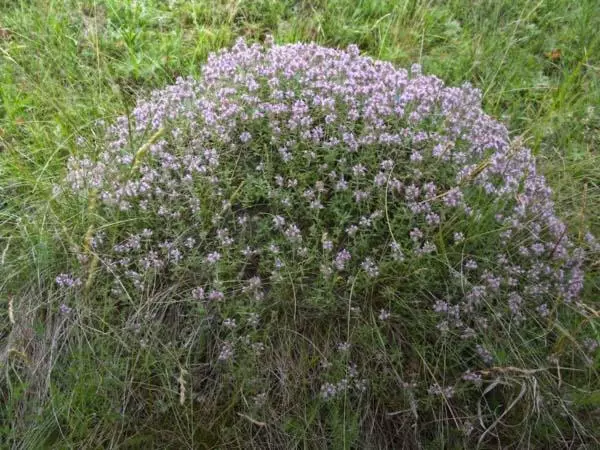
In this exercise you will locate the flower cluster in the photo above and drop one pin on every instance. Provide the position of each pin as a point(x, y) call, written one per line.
point(299, 162)
point(350, 383)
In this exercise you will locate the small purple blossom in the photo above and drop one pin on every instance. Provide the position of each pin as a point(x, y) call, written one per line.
point(226, 352)
point(471, 264)
point(359, 170)
point(485, 354)
point(278, 222)
point(416, 235)
point(341, 185)
point(223, 237)
point(473, 377)
point(440, 306)
point(341, 259)
point(64, 309)
point(293, 234)
point(328, 391)
point(427, 248)
point(397, 254)
point(245, 137)
point(67, 280)
point(380, 179)
point(215, 295)
point(352, 230)
point(370, 268)
point(198, 293)
point(543, 310)
point(361, 196)
point(213, 257)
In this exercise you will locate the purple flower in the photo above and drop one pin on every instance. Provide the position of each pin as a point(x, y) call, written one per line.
point(341, 185)
point(440, 306)
point(416, 235)
point(293, 234)
point(397, 253)
point(471, 264)
point(341, 259)
point(67, 280)
point(359, 170)
point(543, 310)
point(473, 377)
point(198, 293)
point(370, 268)
point(484, 354)
point(360, 196)
point(328, 391)
point(278, 222)
point(352, 230)
point(64, 309)
point(226, 352)
point(213, 257)
point(215, 295)
point(427, 248)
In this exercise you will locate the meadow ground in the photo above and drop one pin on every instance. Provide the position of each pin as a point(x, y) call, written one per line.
point(66, 64)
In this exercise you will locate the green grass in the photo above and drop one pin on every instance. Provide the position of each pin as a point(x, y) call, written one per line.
point(66, 64)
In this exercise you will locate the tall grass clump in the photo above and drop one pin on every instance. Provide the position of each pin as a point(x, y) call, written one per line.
point(308, 247)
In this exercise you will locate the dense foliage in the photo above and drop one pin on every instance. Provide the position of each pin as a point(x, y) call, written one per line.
point(378, 215)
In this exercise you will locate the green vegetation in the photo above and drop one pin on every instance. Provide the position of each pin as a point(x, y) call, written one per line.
point(96, 379)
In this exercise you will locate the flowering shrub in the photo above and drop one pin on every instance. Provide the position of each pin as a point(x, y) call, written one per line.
point(299, 184)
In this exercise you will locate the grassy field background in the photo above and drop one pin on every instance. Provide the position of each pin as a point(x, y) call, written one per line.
point(66, 64)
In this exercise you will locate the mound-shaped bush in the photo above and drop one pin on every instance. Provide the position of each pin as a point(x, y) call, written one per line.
point(329, 233)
